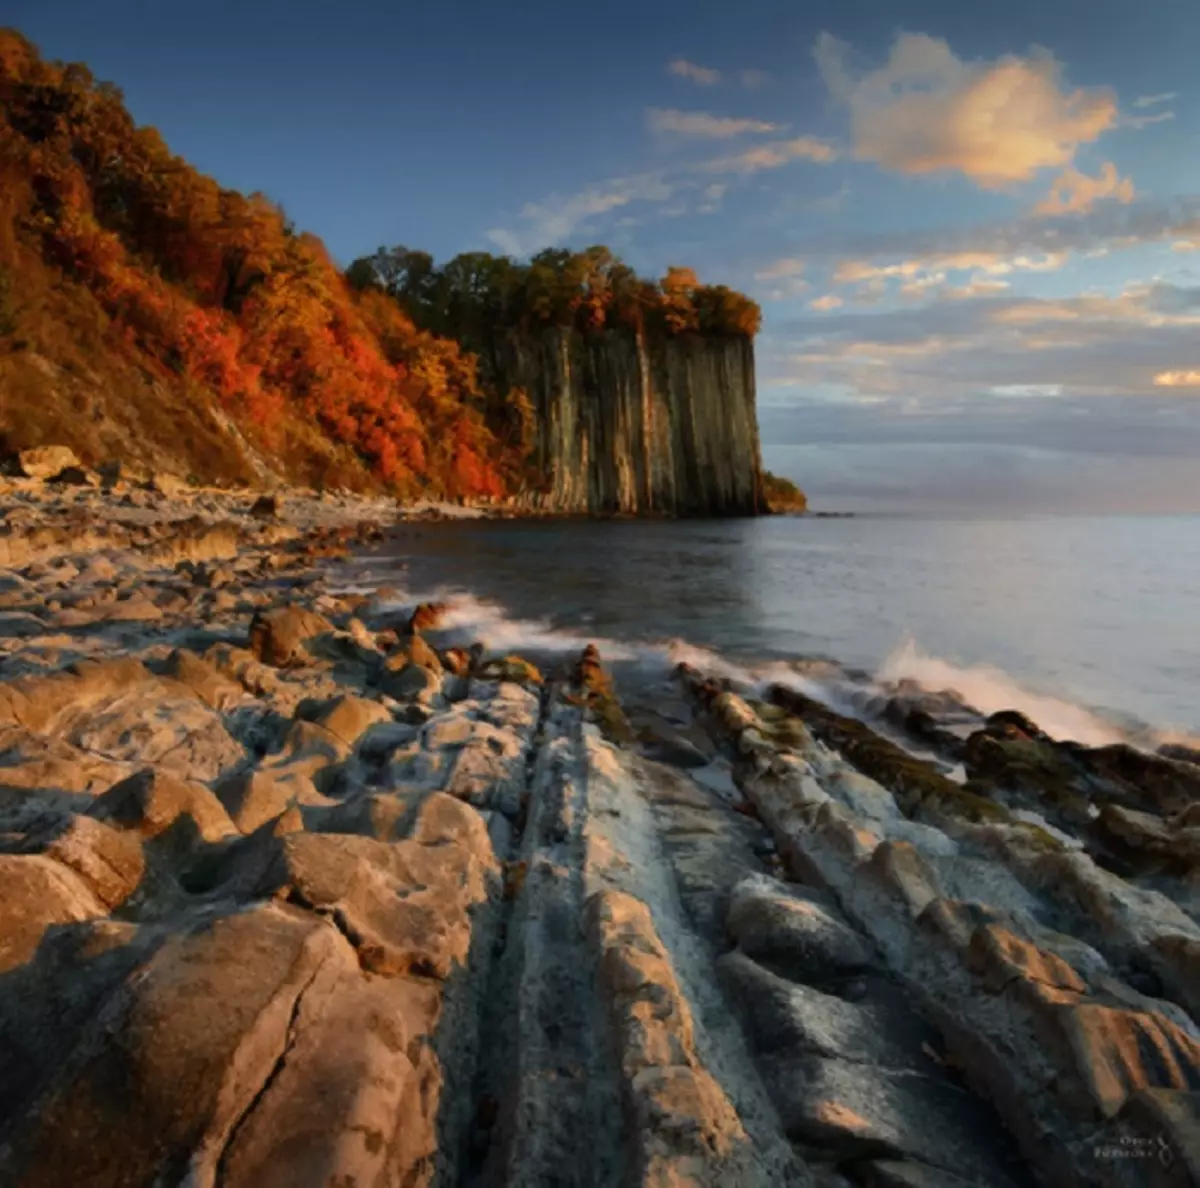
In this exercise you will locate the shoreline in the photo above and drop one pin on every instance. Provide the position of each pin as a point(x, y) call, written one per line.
point(325, 894)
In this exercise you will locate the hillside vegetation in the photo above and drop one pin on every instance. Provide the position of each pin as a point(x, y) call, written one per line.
point(149, 314)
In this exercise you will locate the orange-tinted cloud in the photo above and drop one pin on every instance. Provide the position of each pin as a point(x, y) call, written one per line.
point(928, 111)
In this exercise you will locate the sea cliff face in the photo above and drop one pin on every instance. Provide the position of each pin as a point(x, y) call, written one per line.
point(638, 424)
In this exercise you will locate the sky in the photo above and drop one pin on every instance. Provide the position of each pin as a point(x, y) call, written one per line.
point(974, 229)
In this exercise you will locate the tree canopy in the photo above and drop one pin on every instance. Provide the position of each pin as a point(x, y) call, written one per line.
point(590, 290)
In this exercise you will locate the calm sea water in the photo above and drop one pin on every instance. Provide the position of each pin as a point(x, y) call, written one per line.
point(1060, 616)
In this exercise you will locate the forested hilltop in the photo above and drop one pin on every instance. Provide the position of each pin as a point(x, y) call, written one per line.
point(148, 313)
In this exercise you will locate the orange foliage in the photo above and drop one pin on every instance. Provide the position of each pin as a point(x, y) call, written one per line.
point(207, 284)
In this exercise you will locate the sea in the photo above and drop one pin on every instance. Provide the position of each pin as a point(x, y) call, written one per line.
point(1089, 625)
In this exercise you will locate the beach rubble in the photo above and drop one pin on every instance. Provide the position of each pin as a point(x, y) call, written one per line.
point(297, 891)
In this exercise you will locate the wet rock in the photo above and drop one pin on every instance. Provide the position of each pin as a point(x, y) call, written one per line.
point(510, 668)
point(426, 617)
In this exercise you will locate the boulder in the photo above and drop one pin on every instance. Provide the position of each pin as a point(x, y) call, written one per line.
point(426, 617)
point(38, 892)
point(412, 683)
point(412, 649)
point(278, 637)
point(152, 801)
point(351, 717)
point(45, 461)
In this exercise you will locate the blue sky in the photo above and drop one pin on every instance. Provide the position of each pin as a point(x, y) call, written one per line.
point(974, 230)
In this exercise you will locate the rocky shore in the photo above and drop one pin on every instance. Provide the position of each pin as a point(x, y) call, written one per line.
point(298, 891)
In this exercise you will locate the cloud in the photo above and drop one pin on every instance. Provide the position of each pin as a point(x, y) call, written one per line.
point(699, 123)
point(829, 301)
point(554, 219)
point(789, 266)
point(1154, 100)
point(702, 76)
point(1177, 379)
point(1092, 346)
point(1128, 121)
point(1076, 193)
point(753, 79)
point(773, 155)
point(927, 111)
point(991, 263)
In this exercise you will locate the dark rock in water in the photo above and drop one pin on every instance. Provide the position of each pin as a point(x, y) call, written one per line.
point(426, 617)
point(1014, 724)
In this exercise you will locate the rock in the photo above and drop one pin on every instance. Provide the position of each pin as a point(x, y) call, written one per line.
point(218, 692)
point(456, 661)
point(266, 507)
point(426, 617)
point(405, 904)
point(793, 932)
point(252, 798)
point(856, 1110)
point(351, 717)
point(109, 861)
point(76, 476)
point(38, 892)
point(278, 637)
point(412, 649)
point(510, 668)
point(411, 683)
point(675, 1109)
point(44, 461)
point(170, 485)
point(197, 1067)
point(152, 801)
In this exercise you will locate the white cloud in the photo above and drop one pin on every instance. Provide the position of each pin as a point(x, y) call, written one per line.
point(829, 301)
point(927, 111)
point(1177, 379)
point(1076, 193)
point(1154, 100)
point(700, 123)
point(702, 76)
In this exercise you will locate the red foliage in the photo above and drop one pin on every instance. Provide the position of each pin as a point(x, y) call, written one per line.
point(210, 285)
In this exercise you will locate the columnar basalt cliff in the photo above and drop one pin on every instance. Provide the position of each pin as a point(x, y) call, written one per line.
point(631, 422)
point(620, 395)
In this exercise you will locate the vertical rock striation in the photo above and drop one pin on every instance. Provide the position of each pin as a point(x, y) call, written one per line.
point(639, 423)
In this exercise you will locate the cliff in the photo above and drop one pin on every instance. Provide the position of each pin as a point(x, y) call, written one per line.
point(636, 423)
